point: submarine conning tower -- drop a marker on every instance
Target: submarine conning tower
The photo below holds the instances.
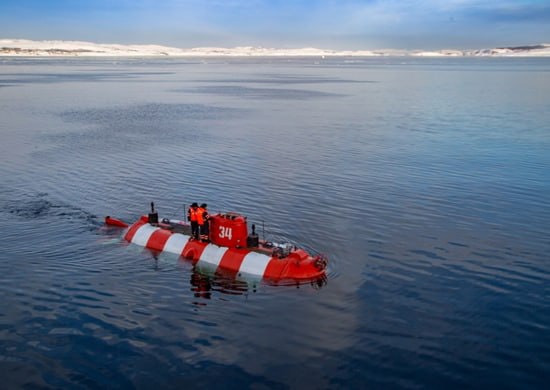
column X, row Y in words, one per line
column 231, row 230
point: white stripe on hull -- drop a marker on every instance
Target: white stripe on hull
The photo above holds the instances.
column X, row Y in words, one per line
column 254, row 263
column 212, row 254
column 176, row 243
column 143, row 234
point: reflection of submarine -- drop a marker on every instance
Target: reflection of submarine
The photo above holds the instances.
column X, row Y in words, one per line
column 203, row 282
column 229, row 247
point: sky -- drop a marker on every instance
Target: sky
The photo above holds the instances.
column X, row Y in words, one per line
column 324, row 24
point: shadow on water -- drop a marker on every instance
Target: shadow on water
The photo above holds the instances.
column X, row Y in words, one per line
column 53, row 78
column 261, row 93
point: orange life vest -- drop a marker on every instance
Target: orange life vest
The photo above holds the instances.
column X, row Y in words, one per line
column 200, row 215
column 194, row 214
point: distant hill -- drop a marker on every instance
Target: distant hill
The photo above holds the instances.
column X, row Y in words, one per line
column 21, row 47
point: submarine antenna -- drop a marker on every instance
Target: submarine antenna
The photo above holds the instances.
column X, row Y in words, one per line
column 153, row 216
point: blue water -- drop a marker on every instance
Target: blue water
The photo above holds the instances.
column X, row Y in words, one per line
column 426, row 182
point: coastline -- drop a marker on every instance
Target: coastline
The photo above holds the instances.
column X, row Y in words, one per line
column 27, row 48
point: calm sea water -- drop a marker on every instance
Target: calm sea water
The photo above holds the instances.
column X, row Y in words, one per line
column 425, row 181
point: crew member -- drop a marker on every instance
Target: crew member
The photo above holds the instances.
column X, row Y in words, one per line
column 193, row 217
column 204, row 222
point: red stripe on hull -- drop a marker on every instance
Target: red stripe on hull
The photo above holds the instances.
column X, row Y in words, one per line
column 193, row 250
column 132, row 230
column 158, row 240
column 231, row 261
column 275, row 268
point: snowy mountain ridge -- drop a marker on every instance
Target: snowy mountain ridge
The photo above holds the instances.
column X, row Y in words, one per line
column 21, row 47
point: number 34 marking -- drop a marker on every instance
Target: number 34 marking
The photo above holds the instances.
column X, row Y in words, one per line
column 226, row 232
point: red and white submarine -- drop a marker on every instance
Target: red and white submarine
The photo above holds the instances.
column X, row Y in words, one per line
column 229, row 247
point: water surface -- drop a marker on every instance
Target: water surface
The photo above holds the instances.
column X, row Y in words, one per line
column 425, row 182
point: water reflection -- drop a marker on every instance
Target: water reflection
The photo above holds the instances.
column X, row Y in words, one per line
column 202, row 285
column 205, row 280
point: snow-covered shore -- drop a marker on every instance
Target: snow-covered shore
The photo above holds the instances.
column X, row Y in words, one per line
column 21, row 47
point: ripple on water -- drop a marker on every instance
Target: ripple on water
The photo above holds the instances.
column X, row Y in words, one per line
column 432, row 210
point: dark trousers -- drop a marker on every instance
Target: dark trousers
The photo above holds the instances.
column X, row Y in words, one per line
column 195, row 229
column 203, row 231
